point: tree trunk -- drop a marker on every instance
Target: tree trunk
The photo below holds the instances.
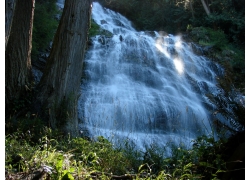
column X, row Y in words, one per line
column 18, row 51
column 205, row 7
column 60, row 84
column 9, row 11
column 191, row 8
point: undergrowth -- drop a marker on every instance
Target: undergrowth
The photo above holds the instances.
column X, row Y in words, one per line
column 50, row 155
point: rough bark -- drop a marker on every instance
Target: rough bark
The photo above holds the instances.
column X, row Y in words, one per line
column 18, row 51
column 60, row 84
column 205, row 7
column 9, row 12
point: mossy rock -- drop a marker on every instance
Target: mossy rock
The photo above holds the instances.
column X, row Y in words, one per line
column 97, row 30
column 106, row 33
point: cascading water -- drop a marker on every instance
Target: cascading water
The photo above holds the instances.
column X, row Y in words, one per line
column 60, row 4
column 144, row 86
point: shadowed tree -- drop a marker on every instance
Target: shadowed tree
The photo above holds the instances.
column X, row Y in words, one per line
column 18, row 50
column 60, row 84
column 205, row 6
column 9, row 12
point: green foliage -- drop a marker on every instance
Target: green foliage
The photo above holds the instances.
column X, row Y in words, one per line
column 30, row 145
column 209, row 37
column 68, row 158
column 204, row 160
column 174, row 16
column 28, row 126
column 230, row 106
column 154, row 157
column 44, row 25
column 236, row 57
column 229, row 18
column 94, row 29
column 230, row 56
column 152, row 15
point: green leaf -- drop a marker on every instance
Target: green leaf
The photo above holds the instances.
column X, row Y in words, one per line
column 206, row 164
column 186, row 175
column 219, row 171
column 186, row 167
column 59, row 163
column 72, row 169
column 67, row 176
column 142, row 167
column 92, row 157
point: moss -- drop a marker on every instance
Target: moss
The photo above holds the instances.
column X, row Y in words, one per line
column 95, row 29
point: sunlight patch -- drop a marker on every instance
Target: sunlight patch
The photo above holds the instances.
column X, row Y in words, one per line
column 161, row 49
column 179, row 65
column 178, row 45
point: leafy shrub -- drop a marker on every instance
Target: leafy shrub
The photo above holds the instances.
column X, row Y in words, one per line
column 68, row 158
column 209, row 37
column 152, row 15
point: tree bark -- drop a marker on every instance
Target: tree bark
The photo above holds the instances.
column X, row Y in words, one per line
column 60, row 84
column 205, row 7
column 9, row 12
column 18, row 52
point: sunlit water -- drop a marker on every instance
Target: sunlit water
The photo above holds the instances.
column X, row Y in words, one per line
column 144, row 86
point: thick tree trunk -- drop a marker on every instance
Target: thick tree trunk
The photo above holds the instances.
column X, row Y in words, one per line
column 9, row 12
column 205, row 7
column 18, row 51
column 60, row 84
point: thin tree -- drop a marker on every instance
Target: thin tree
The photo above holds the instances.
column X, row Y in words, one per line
column 190, row 2
column 205, row 6
column 60, row 84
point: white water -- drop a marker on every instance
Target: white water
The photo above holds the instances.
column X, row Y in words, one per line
column 150, row 89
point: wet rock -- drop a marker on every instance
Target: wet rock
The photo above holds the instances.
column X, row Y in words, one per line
column 197, row 49
column 37, row 74
column 118, row 23
column 106, row 33
column 121, row 38
column 103, row 22
column 207, row 50
column 39, row 63
column 150, row 33
column 169, row 40
column 228, row 53
column 101, row 40
column 90, row 42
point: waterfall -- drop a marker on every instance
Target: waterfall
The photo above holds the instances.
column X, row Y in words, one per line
column 149, row 87
column 60, row 4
